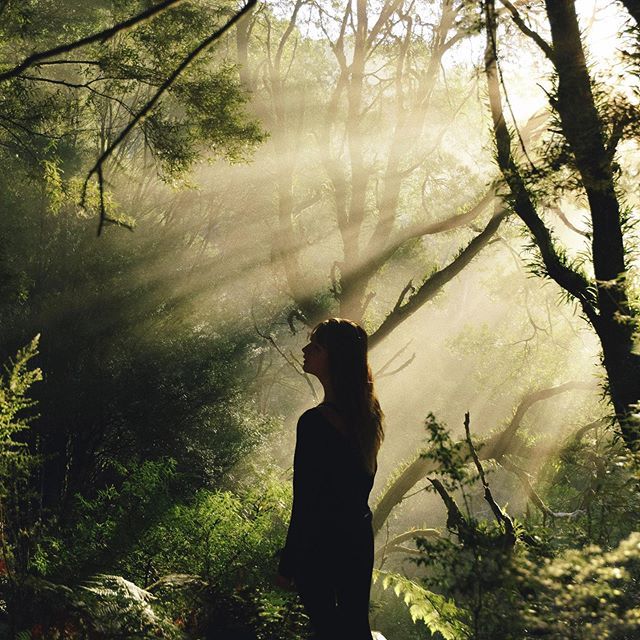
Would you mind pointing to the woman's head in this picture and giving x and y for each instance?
(337, 355)
(337, 348)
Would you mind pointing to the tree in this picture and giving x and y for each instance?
(132, 67)
(350, 163)
(103, 315)
(587, 137)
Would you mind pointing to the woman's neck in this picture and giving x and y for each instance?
(329, 394)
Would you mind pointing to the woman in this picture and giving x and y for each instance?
(328, 554)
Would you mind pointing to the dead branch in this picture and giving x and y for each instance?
(455, 520)
(387, 364)
(501, 516)
(404, 365)
(403, 294)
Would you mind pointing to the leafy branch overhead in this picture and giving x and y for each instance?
(120, 68)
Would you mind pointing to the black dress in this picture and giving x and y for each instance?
(329, 547)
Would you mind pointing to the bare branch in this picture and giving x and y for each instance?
(387, 364)
(432, 285)
(561, 214)
(530, 33)
(403, 294)
(404, 365)
(455, 520)
(501, 516)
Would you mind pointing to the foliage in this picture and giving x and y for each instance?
(588, 593)
(438, 613)
(14, 385)
(103, 607)
(450, 455)
(105, 528)
(230, 541)
(18, 512)
(207, 561)
(596, 477)
(475, 565)
(112, 81)
(553, 582)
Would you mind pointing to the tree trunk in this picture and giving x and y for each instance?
(583, 130)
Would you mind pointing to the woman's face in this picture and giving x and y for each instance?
(315, 359)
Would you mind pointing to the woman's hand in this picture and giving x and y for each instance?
(285, 583)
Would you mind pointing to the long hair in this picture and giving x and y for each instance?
(352, 382)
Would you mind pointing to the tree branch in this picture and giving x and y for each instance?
(455, 520)
(100, 36)
(498, 445)
(536, 37)
(97, 167)
(432, 285)
(502, 517)
(495, 447)
(572, 281)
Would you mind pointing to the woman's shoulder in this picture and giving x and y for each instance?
(325, 418)
(311, 416)
(311, 427)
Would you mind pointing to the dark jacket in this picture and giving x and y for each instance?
(330, 493)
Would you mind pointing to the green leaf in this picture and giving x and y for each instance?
(438, 613)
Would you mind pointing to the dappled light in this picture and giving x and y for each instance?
(190, 187)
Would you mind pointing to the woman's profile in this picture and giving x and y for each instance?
(328, 554)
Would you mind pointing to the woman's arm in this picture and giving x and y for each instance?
(307, 474)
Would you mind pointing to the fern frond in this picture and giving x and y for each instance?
(439, 614)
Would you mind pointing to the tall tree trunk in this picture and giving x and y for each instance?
(583, 130)
(605, 302)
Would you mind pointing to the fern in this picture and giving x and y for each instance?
(14, 384)
(117, 607)
(439, 614)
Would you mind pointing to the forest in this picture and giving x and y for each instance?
(189, 186)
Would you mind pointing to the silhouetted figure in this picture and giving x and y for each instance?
(328, 554)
